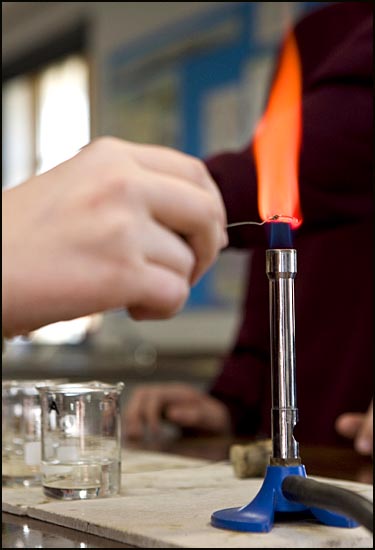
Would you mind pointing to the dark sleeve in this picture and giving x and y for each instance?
(335, 168)
(243, 384)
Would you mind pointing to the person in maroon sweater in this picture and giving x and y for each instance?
(334, 284)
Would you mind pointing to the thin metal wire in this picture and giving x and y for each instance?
(271, 219)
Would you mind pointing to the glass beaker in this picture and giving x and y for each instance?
(81, 440)
(21, 431)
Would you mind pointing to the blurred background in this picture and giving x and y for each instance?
(191, 75)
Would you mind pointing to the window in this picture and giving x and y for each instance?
(46, 120)
(17, 131)
(62, 107)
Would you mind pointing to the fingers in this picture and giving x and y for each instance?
(359, 427)
(160, 293)
(171, 187)
(348, 424)
(364, 438)
(187, 415)
(189, 211)
(143, 412)
(176, 163)
(181, 193)
(156, 160)
(147, 405)
(133, 417)
(205, 414)
(179, 403)
(167, 249)
(152, 410)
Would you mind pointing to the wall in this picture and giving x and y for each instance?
(112, 24)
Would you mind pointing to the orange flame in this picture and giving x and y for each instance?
(277, 142)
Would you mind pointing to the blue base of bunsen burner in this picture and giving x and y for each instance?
(259, 515)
